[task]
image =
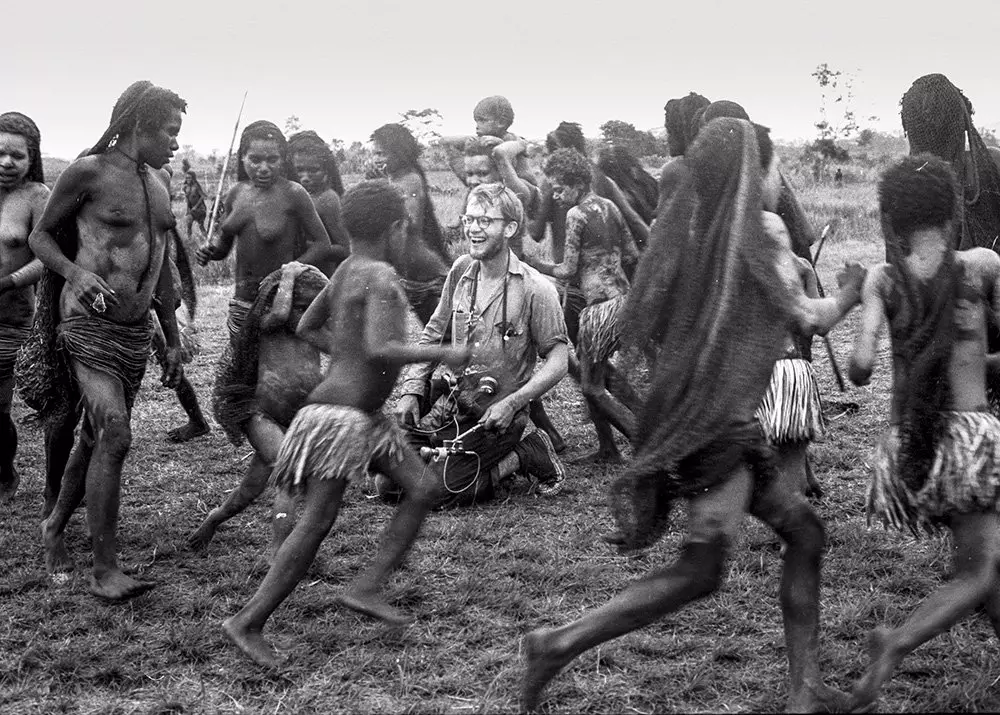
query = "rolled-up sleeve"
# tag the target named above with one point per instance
(548, 326)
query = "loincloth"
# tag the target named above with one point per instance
(335, 442)
(791, 410)
(11, 339)
(599, 338)
(118, 350)
(423, 295)
(964, 478)
(188, 334)
(641, 499)
(238, 312)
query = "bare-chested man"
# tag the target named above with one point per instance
(22, 199)
(268, 218)
(715, 293)
(119, 204)
(938, 464)
(315, 167)
(360, 321)
(599, 249)
(422, 260)
(260, 385)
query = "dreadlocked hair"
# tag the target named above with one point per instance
(569, 167)
(568, 135)
(937, 118)
(233, 396)
(22, 125)
(309, 142)
(370, 208)
(619, 165)
(681, 119)
(265, 131)
(404, 151)
(142, 106)
(920, 192)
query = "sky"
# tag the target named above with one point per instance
(346, 68)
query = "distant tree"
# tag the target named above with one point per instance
(619, 133)
(865, 137)
(424, 124)
(836, 88)
(989, 136)
(292, 125)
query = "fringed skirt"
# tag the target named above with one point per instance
(599, 339)
(334, 442)
(11, 339)
(118, 350)
(239, 310)
(791, 410)
(964, 478)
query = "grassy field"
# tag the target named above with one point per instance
(476, 581)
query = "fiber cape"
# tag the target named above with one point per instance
(708, 295)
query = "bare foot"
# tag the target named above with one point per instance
(114, 585)
(188, 431)
(57, 558)
(864, 695)
(201, 536)
(48, 505)
(253, 644)
(372, 605)
(9, 486)
(601, 456)
(541, 665)
(818, 699)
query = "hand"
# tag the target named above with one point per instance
(91, 291)
(457, 357)
(205, 254)
(489, 140)
(408, 410)
(851, 276)
(172, 369)
(499, 415)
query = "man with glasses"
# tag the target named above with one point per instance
(509, 314)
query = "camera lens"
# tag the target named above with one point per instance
(488, 385)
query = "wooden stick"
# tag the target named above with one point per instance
(828, 230)
(225, 168)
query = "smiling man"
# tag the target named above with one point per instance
(509, 314)
(110, 211)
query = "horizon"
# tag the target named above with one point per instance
(587, 65)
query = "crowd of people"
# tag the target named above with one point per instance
(703, 279)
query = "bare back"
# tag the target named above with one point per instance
(20, 209)
(366, 306)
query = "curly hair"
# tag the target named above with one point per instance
(569, 167)
(920, 191)
(142, 106)
(265, 130)
(309, 142)
(370, 208)
(568, 135)
(495, 107)
(23, 125)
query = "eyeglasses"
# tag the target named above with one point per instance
(484, 222)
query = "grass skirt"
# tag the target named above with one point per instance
(118, 350)
(964, 478)
(11, 339)
(334, 442)
(791, 410)
(599, 339)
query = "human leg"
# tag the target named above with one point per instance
(69, 494)
(265, 437)
(110, 417)
(9, 478)
(421, 491)
(713, 522)
(604, 406)
(976, 559)
(536, 410)
(784, 507)
(245, 628)
(196, 425)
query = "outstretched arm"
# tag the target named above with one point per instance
(454, 147)
(866, 343)
(640, 231)
(575, 223)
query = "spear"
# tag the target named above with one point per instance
(828, 231)
(225, 168)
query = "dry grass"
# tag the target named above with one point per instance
(476, 581)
